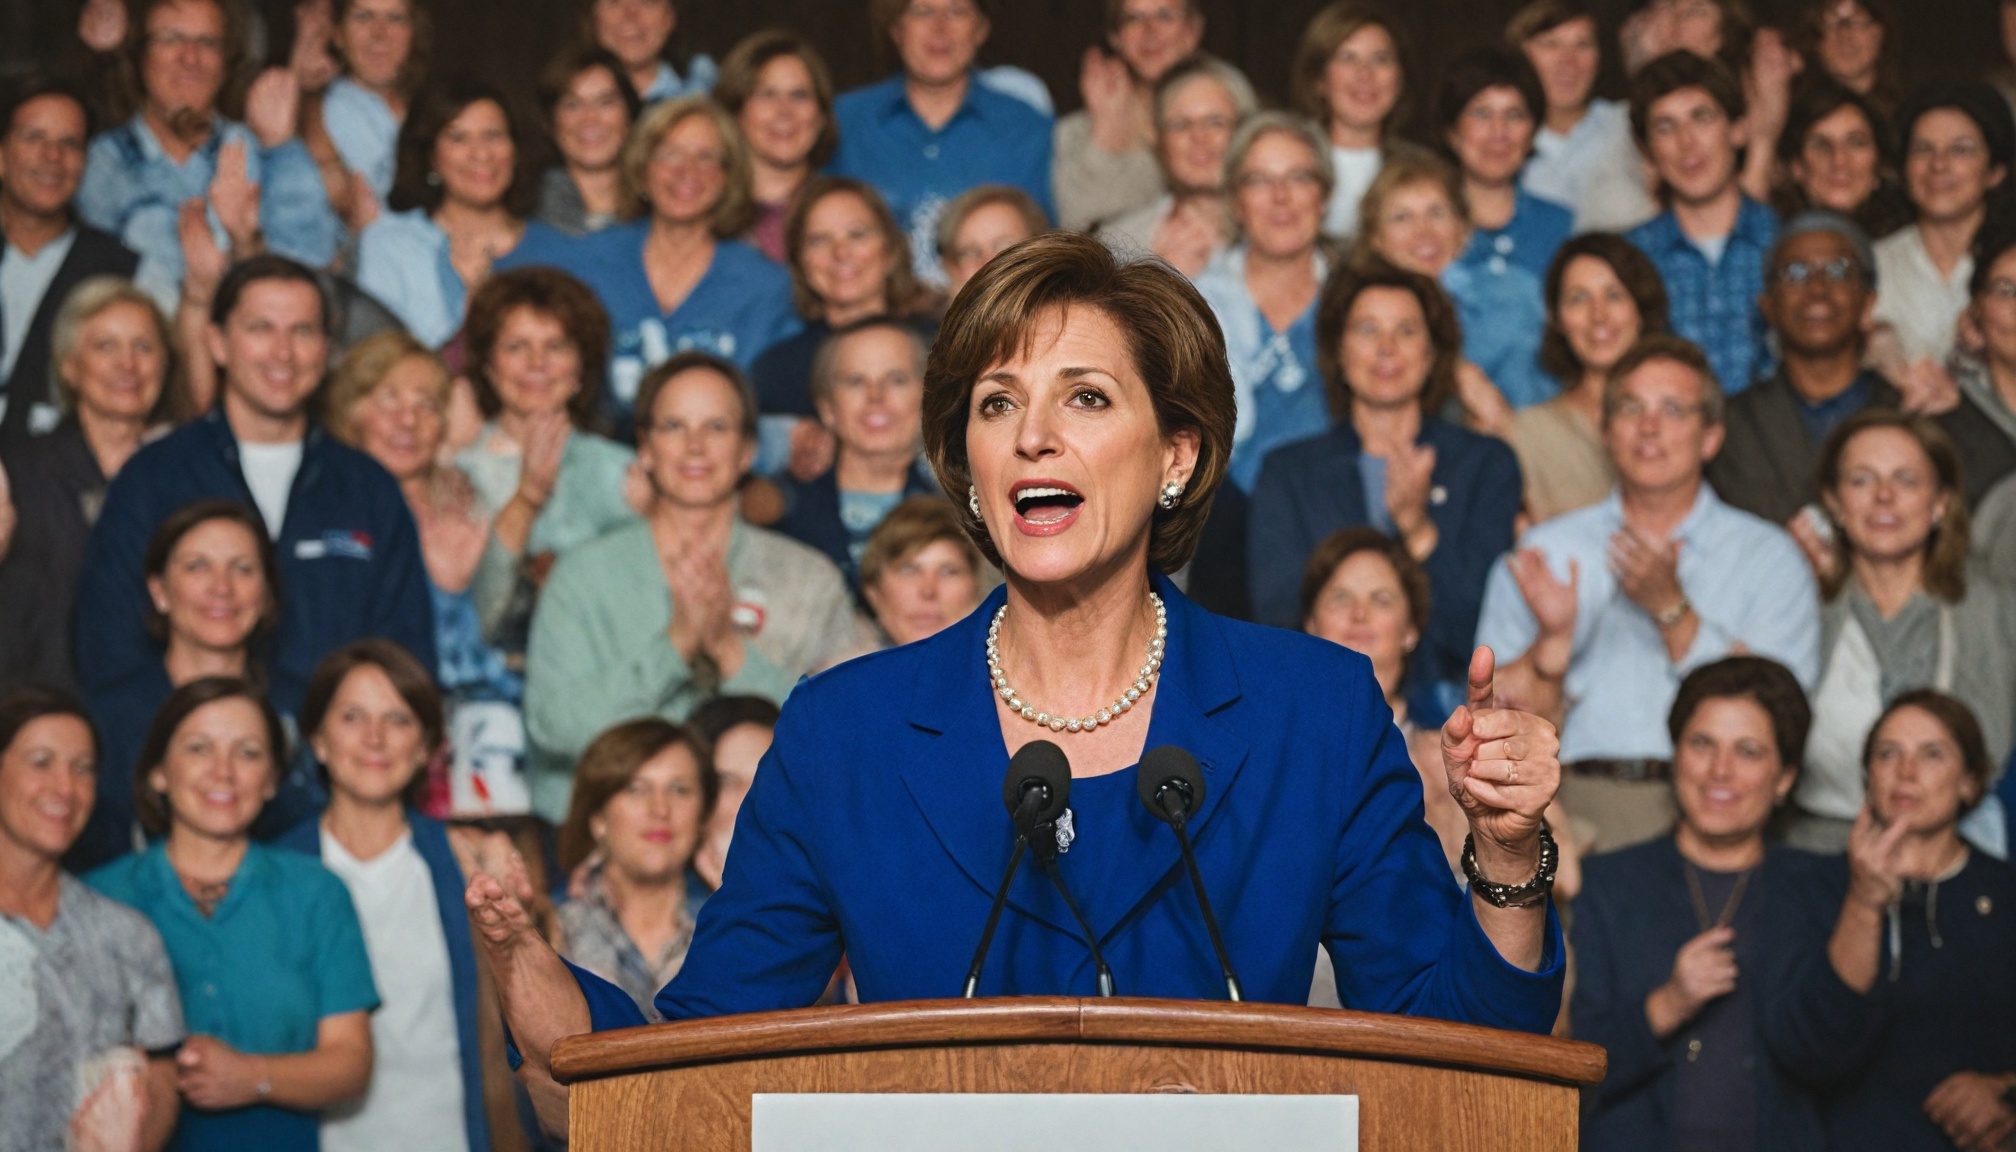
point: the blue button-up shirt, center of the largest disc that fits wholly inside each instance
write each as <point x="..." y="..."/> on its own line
<point x="1715" y="304"/>
<point x="134" y="190"/>
<point x="1278" y="387"/>
<point x="991" y="139"/>
<point x="1503" y="316"/>
<point x="1536" y="231"/>
<point x="1744" y="576"/>
<point x="365" y="131"/>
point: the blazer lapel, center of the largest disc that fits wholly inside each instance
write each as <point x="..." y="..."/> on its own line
<point x="955" y="778"/>
<point x="1198" y="681"/>
<point x="955" y="775"/>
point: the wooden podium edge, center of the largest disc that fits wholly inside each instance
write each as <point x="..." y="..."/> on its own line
<point x="1067" y="1020"/>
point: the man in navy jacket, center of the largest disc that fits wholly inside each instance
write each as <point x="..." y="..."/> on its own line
<point x="350" y="562"/>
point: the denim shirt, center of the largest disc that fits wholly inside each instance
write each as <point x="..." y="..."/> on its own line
<point x="1280" y="393"/>
<point x="134" y="190"/>
<point x="1500" y="305"/>
<point x="365" y="131"/>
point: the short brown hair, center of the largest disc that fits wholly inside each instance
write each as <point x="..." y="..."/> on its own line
<point x="1945" y="572"/>
<point x="972" y="200"/>
<point x="408" y="679"/>
<point x="1172" y="338"/>
<point x="1673" y="349"/>
<point x="1333" y="314"/>
<point x="744" y="65"/>
<point x="1116" y="10"/>
<point x="1632" y="268"/>
<point x="883" y="15"/>
<point x="655" y="381"/>
<point x="184" y="520"/>
<point x="736" y="210"/>
<point x="1541" y="17"/>
<point x="1327" y="30"/>
<point x="1678" y="70"/>
<point x="1331" y="553"/>
<point x="436" y="107"/>
<point x="553" y="293"/>
<point x="1960" y="723"/>
<point x="1404" y="168"/>
<point x="608" y="765"/>
<point x="560" y="72"/>
<point x="901" y="288"/>
<point x="364" y="367"/>
<point x="1767" y="683"/>
<point x="910" y="527"/>
<point x="151" y="807"/>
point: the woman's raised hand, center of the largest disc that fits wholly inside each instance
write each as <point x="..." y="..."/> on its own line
<point x="1504" y="769"/>
<point x="1875" y="872"/>
<point x="545" y="446"/>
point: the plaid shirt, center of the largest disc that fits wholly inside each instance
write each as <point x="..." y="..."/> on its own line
<point x="1715" y="305"/>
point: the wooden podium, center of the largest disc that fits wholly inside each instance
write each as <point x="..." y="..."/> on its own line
<point x="1422" y="1084"/>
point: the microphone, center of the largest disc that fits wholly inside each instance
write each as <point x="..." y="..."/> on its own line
<point x="1036" y="790"/>
<point x="1172" y="786"/>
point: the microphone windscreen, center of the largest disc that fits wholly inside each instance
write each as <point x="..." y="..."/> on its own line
<point x="1158" y="767"/>
<point x="1044" y="761"/>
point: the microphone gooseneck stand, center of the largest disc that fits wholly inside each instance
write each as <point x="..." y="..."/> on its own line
<point x="1172" y="786"/>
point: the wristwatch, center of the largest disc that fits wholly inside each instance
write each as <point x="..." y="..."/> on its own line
<point x="1514" y="895"/>
<point x="1673" y="615"/>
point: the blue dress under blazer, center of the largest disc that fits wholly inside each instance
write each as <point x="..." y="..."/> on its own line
<point x="875" y="828"/>
<point x="430" y="839"/>
<point x="1310" y="489"/>
<point x="1632" y="916"/>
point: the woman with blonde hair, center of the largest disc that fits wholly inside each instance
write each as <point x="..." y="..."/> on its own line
<point x="118" y="382"/>
<point x="677" y="278"/>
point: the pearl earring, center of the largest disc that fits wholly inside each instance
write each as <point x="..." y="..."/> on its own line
<point x="973" y="499"/>
<point x="1171" y="492"/>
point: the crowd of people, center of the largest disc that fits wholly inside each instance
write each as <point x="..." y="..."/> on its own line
<point x="395" y="477"/>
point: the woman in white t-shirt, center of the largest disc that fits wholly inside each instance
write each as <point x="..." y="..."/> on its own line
<point x="1349" y="75"/>
<point x="373" y="719"/>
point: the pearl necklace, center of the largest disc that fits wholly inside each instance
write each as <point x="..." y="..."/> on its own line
<point x="1135" y="691"/>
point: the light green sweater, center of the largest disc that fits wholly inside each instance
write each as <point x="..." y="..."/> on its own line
<point x="601" y="650"/>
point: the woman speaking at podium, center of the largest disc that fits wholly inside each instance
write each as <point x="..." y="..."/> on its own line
<point x="1081" y="412"/>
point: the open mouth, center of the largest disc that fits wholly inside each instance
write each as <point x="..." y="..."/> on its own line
<point x="1045" y="504"/>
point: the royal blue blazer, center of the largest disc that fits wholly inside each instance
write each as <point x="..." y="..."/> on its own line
<point x="876" y="830"/>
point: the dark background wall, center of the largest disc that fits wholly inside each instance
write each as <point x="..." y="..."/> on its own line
<point x="507" y="40"/>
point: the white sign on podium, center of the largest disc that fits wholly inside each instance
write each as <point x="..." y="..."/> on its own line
<point x="956" y="1122"/>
